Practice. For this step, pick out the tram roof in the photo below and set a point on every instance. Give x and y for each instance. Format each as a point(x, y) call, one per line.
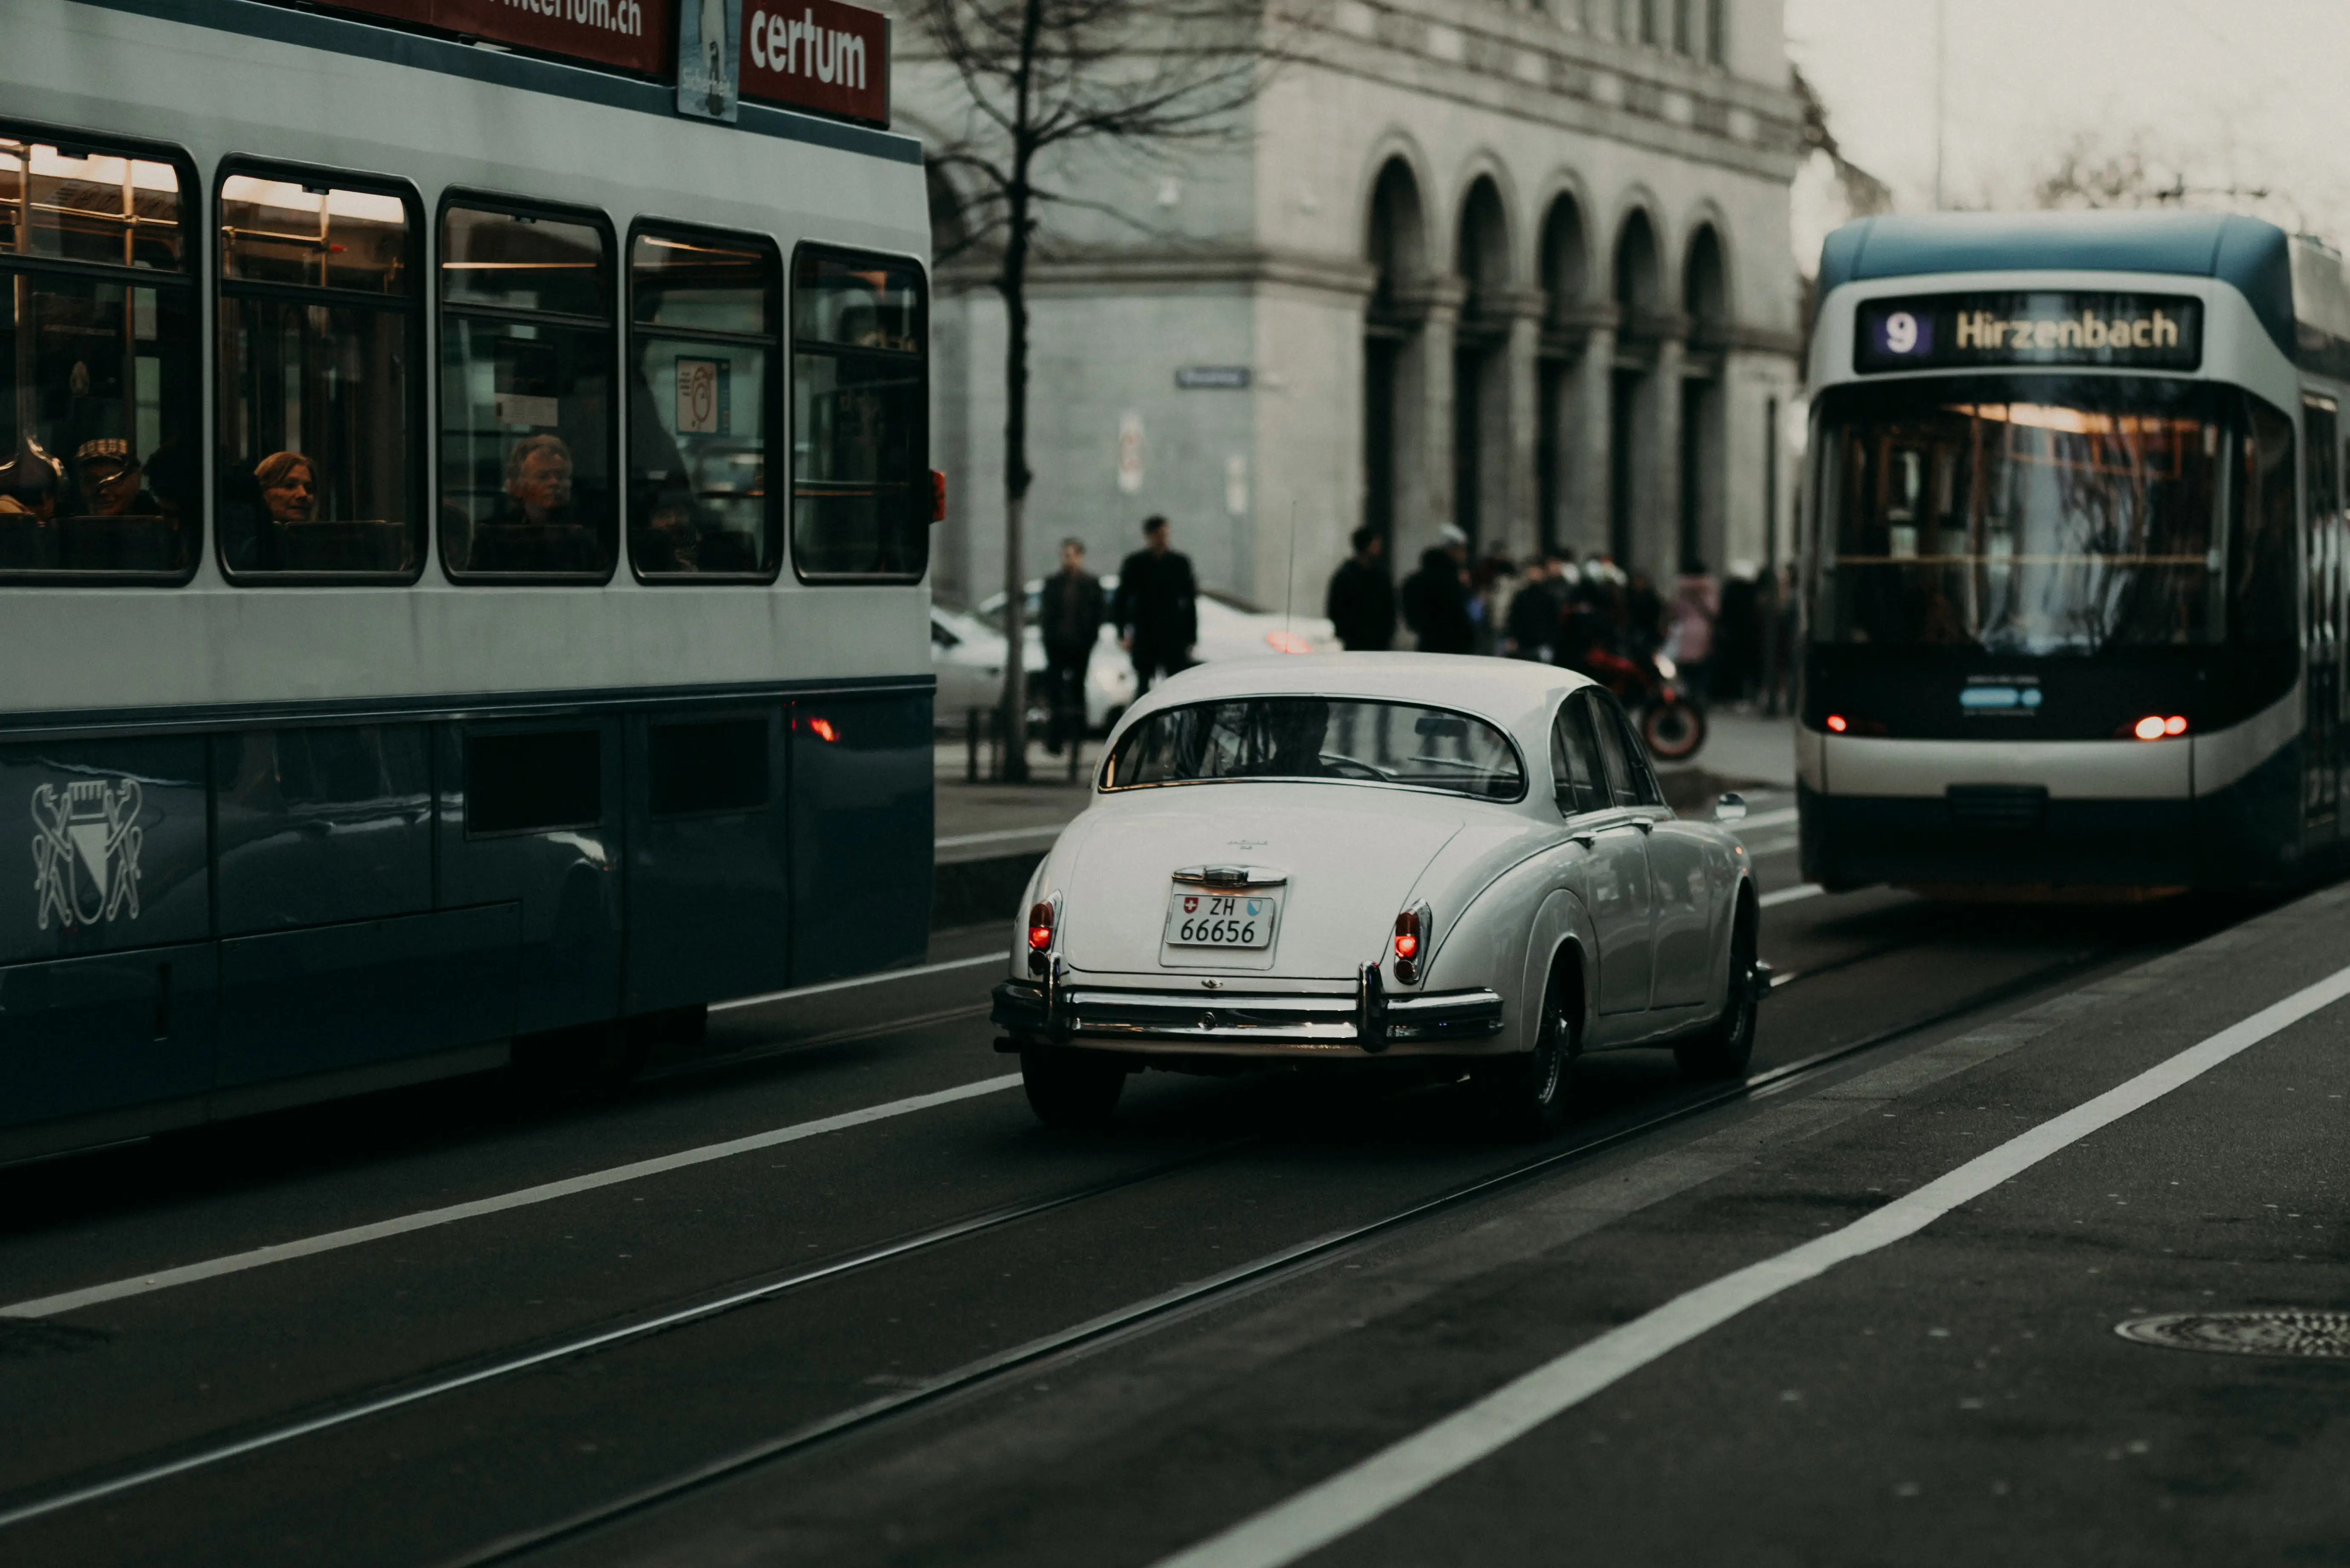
point(2268, 267)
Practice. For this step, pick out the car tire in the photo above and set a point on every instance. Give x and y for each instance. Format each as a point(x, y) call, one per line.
point(1071, 1091)
point(1529, 1093)
point(1725, 1049)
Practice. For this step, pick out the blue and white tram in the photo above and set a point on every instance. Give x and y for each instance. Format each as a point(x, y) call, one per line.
point(462, 550)
point(2073, 555)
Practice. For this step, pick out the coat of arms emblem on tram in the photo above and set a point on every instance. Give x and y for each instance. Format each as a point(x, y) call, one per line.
point(86, 845)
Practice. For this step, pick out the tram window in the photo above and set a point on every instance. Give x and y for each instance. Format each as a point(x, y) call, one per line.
point(320, 321)
point(525, 395)
point(99, 472)
point(861, 396)
point(703, 353)
point(2263, 604)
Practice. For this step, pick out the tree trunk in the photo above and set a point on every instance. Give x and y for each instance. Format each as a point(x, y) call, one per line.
point(1012, 284)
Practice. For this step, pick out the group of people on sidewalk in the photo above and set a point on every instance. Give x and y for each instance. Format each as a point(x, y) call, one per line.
point(1732, 641)
point(1156, 610)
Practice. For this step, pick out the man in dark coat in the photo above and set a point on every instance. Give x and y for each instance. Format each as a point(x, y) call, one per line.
point(1436, 599)
point(1068, 617)
point(1361, 601)
point(1531, 631)
point(1158, 606)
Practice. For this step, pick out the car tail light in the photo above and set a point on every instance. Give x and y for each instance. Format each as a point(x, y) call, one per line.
point(1836, 723)
point(938, 496)
point(2159, 726)
point(1411, 934)
point(1287, 643)
point(1041, 919)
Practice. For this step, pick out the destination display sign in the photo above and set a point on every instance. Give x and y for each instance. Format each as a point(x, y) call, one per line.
point(1951, 331)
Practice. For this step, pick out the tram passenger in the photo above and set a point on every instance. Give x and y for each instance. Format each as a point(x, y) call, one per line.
point(289, 489)
point(536, 527)
point(29, 486)
point(108, 476)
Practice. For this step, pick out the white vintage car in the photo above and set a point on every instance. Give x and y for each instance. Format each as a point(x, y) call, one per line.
point(1336, 857)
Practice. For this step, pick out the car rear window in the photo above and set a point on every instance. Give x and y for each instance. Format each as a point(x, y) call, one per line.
point(1322, 739)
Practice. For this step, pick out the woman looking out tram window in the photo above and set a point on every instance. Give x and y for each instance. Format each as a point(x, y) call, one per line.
point(289, 492)
point(321, 319)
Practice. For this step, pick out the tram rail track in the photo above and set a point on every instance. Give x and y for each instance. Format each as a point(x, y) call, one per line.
point(975, 1378)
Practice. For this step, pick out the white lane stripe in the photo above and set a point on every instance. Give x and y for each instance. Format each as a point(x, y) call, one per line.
point(1766, 819)
point(884, 978)
point(333, 1240)
point(997, 836)
point(1771, 846)
point(1789, 895)
point(1353, 1498)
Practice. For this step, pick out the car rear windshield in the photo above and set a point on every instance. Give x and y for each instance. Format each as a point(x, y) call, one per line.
point(1334, 739)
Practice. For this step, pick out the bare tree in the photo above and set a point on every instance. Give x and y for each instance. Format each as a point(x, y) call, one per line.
point(1043, 78)
point(2093, 172)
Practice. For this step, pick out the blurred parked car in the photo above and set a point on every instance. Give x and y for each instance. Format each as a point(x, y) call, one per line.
point(967, 655)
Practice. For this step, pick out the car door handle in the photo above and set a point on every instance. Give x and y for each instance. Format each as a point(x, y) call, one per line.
point(1645, 824)
point(1588, 840)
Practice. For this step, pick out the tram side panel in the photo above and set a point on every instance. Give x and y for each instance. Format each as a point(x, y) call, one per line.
point(862, 827)
point(108, 975)
point(709, 857)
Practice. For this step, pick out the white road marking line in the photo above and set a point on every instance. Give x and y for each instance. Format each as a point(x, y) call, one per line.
point(1789, 895)
point(886, 976)
point(1771, 846)
point(997, 836)
point(1766, 819)
point(333, 1241)
point(1353, 1498)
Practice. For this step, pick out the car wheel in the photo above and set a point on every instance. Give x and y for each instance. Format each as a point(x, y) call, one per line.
point(1529, 1093)
point(1723, 1051)
point(1071, 1090)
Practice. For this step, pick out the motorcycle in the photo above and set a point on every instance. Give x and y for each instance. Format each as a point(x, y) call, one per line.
point(1671, 722)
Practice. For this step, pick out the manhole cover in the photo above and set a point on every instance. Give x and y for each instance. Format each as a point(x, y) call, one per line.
point(2286, 1331)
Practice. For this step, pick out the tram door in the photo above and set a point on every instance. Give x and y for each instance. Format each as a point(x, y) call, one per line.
point(2321, 553)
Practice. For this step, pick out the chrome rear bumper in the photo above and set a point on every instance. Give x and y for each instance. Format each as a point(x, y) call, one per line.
point(1279, 1024)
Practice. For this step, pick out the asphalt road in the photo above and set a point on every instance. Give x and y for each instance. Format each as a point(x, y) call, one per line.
point(830, 1294)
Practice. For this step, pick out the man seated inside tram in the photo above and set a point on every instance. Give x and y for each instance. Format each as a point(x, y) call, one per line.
point(108, 476)
point(535, 526)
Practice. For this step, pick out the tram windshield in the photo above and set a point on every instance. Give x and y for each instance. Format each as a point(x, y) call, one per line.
point(2035, 514)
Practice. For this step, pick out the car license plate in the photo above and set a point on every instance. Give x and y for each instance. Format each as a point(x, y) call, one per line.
point(1220, 919)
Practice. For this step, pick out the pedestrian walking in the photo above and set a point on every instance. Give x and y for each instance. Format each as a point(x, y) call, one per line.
point(1436, 597)
point(1158, 606)
point(1531, 630)
point(1361, 603)
point(1069, 620)
point(1738, 636)
point(1697, 605)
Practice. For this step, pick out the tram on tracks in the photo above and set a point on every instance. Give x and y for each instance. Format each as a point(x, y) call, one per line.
point(2073, 546)
point(463, 540)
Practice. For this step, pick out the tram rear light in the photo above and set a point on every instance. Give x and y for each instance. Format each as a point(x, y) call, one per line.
point(938, 496)
point(2156, 726)
point(1836, 723)
point(822, 731)
point(2174, 725)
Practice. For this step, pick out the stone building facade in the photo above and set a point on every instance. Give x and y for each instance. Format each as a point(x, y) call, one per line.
point(1521, 268)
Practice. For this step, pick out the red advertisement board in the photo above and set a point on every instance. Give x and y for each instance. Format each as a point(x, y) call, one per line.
point(817, 55)
point(630, 34)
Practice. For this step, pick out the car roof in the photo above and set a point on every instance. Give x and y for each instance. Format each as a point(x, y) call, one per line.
point(1513, 692)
